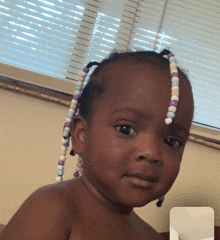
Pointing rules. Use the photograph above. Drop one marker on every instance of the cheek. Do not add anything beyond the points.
(171, 172)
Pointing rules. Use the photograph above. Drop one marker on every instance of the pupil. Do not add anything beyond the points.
(171, 141)
(124, 128)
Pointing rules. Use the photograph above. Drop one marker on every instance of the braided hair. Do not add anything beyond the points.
(95, 90)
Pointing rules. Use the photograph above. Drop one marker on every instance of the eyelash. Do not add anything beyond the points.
(180, 143)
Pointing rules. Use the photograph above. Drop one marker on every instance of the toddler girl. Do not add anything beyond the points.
(130, 132)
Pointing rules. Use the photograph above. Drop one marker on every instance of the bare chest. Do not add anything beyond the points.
(110, 230)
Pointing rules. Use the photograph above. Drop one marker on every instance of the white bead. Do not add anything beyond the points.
(175, 88)
(64, 140)
(174, 97)
(84, 74)
(174, 71)
(63, 148)
(66, 129)
(58, 179)
(172, 59)
(74, 101)
(78, 169)
(168, 121)
(69, 120)
(172, 109)
(71, 110)
(79, 164)
(77, 92)
(79, 84)
(60, 167)
(62, 158)
(173, 65)
(175, 78)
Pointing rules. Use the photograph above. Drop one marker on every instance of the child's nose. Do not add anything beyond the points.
(149, 149)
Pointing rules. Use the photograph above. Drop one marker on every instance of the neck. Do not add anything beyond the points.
(115, 208)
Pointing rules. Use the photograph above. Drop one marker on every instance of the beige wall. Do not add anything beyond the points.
(30, 141)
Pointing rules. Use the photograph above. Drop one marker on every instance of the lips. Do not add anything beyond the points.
(152, 179)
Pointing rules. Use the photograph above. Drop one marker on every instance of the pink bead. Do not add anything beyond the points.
(75, 97)
(66, 124)
(174, 75)
(76, 174)
(170, 55)
(173, 103)
(85, 69)
(61, 163)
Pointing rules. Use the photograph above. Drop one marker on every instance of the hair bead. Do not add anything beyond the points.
(76, 174)
(62, 153)
(175, 88)
(175, 92)
(66, 132)
(175, 78)
(170, 114)
(174, 97)
(66, 129)
(64, 148)
(172, 109)
(71, 111)
(75, 97)
(59, 172)
(170, 55)
(64, 141)
(60, 167)
(85, 69)
(81, 79)
(66, 124)
(59, 179)
(175, 83)
(78, 88)
(175, 75)
(61, 163)
(173, 103)
(168, 121)
(62, 158)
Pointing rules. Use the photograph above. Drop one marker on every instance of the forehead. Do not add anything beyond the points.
(145, 87)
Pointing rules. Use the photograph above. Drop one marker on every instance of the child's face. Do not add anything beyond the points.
(112, 152)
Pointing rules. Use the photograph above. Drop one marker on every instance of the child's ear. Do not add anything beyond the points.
(77, 129)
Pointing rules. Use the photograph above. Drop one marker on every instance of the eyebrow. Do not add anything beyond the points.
(137, 112)
(146, 115)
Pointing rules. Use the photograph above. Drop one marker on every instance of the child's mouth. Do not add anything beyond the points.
(142, 180)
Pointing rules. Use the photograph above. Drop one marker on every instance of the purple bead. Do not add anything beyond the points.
(76, 174)
(173, 103)
(170, 55)
(61, 163)
(66, 124)
(75, 97)
(85, 69)
(174, 75)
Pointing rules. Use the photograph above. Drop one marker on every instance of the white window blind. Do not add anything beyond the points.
(58, 38)
(193, 27)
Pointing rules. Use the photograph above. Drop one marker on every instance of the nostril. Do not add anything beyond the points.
(155, 161)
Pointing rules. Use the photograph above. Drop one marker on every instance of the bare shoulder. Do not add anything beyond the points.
(144, 229)
(43, 215)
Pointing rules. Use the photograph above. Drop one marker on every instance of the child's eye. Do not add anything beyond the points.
(172, 142)
(125, 129)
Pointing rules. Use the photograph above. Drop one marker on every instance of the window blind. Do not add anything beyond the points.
(193, 29)
(58, 38)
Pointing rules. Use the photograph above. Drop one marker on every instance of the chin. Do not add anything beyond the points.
(138, 199)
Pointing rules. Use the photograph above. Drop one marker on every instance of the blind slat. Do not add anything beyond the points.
(59, 38)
